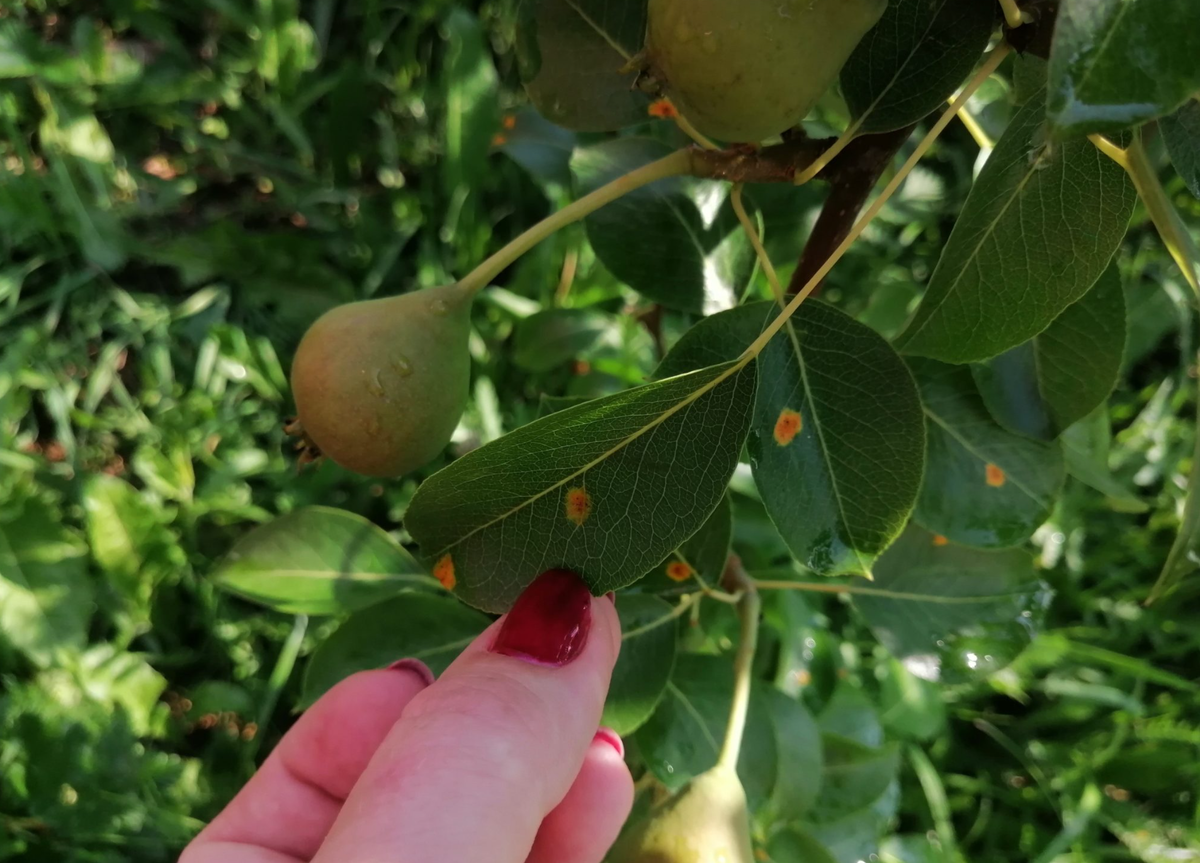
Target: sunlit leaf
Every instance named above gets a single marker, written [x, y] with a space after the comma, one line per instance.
[607, 488]
[319, 560]
[1039, 227]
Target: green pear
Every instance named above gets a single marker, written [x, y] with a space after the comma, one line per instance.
[380, 385]
[744, 70]
[706, 822]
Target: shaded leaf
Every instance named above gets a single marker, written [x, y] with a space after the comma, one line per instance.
[606, 488]
[910, 63]
[705, 552]
[854, 837]
[429, 627]
[1118, 63]
[319, 560]
[798, 743]
[676, 241]
[910, 706]
[850, 714]
[854, 776]
[1086, 450]
[648, 637]
[837, 436]
[794, 845]
[537, 145]
[45, 595]
[1037, 230]
[683, 737]
[571, 53]
[549, 338]
[926, 591]
[472, 113]
[1181, 133]
[1039, 388]
[983, 485]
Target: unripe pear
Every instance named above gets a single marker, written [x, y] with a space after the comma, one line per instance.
[380, 385]
[744, 70]
[706, 822]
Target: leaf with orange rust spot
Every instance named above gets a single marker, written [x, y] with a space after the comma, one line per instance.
[443, 571]
[663, 109]
[838, 439]
[678, 570]
[704, 555]
[984, 485]
[501, 510]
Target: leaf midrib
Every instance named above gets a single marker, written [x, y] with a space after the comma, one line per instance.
[600, 31]
[973, 451]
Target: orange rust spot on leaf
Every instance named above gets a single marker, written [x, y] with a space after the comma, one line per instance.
[677, 570]
[510, 122]
[787, 426]
[802, 677]
[995, 476]
[663, 109]
[578, 505]
[938, 539]
[443, 571]
[499, 140]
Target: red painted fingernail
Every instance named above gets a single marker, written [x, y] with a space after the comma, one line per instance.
[549, 623]
[612, 739]
[416, 666]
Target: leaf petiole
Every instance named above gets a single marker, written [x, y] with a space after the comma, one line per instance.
[748, 610]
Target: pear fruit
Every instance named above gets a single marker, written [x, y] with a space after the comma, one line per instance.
[380, 385]
[706, 822]
[744, 70]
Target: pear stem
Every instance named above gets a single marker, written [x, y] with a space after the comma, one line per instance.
[674, 165]
[748, 611]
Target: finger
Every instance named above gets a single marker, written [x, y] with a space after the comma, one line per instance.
[585, 824]
[479, 759]
[291, 802]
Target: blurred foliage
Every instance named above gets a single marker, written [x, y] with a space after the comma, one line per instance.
[185, 186]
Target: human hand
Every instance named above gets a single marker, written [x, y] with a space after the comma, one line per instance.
[498, 761]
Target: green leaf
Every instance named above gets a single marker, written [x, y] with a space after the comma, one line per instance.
[841, 480]
[45, 594]
[319, 560]
[855, 837]
[571, 53]
[798, 743]
[549, 338]
[1037, 230]
[676, 241]
[910, 706]
[1041, 387]
[1181, 133]
[430, 627]
[128, 540]
[793, 845]
[1086, 450]
[607, 488]
[853, 777]
[705, 552]
[538, 146]
[850, 713]
[648, 637]
[926, 591]
[983, 485]
[683, 737]
[469, 84]
[910, 63]
[1118, 63]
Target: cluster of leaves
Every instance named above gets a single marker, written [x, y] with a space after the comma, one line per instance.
[185, 188]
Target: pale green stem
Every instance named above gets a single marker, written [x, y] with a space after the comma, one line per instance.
[748, 611]
[677, 163]
[1171, 228]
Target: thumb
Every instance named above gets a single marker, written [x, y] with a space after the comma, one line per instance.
[477, 760]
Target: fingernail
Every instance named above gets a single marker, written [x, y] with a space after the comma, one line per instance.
[416, 666]
[612, 739]
[549, 623]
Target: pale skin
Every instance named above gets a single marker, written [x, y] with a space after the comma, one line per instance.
[499, 760]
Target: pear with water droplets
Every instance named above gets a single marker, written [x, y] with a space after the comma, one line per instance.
[706, 822]
[380, 385]
[744, 70]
